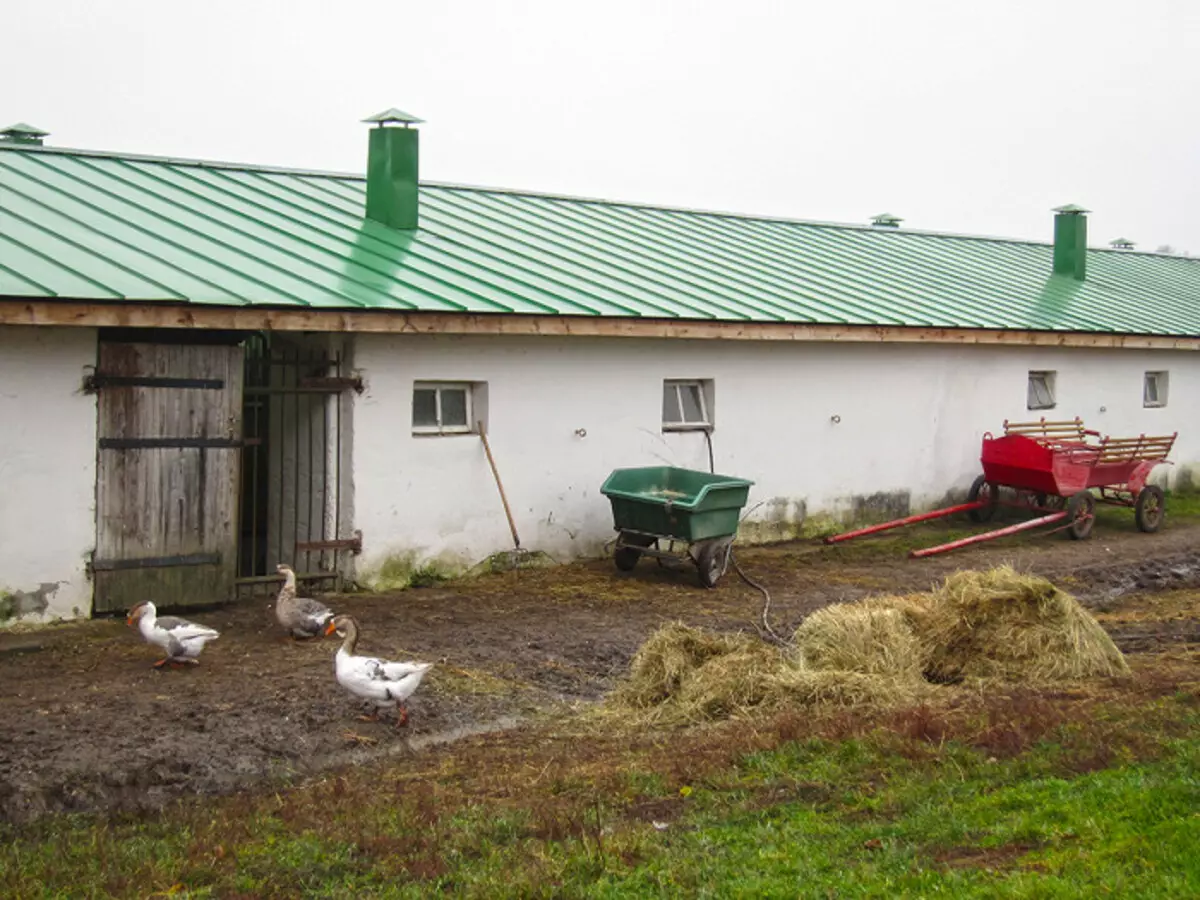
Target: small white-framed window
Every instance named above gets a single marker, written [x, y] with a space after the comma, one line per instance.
[1041, 390]
[443, 407]
[687, 403]
[1154, 389]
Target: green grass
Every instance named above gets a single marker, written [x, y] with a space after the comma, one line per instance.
[1024, 796]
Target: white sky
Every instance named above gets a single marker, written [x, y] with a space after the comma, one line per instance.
[956, 115]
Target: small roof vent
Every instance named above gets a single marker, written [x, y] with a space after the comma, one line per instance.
[886, 220]
[393, 115]
[1121, 244]
[23, 134]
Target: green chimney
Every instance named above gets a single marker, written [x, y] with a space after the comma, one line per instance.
[392, 170]
[1070, 241]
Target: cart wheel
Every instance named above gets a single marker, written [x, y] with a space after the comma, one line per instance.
[982, 489]
[711, 561]
[1148, 512]
[626, 558]
[1081, 510]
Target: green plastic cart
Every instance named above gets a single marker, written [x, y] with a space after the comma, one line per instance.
[656, 507]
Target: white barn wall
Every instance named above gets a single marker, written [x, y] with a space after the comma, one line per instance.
[911, 417]
[47, 473]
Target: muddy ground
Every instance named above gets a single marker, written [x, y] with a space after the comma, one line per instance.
[88, 724]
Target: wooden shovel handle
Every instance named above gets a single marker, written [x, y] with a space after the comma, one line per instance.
[512, 526]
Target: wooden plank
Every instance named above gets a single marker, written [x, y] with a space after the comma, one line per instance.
[156, 562]
[150, 315]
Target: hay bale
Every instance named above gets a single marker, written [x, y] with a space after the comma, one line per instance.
[830, 687]
[668, 657]
[731, 684]
[876, 653]
[1006, 625]
[869, 639]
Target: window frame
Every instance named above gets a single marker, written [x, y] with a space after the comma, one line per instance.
[704, 388]
[1048, 378]
[438, 387]
[1162, 383]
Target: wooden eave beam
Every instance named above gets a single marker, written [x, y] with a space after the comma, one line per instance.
[16, 311]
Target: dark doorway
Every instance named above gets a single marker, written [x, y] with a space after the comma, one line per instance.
[294, 461]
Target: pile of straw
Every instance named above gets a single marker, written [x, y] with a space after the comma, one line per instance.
[884, 651]
[1005, 625]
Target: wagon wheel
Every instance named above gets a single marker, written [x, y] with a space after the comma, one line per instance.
[711, 560]
[1149, 509]
[983, 490]
[1081, 510]
[626, 557]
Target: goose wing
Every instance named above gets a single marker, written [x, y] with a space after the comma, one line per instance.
[394, 671]
[363, 675]
[181, 629]
[313, 611]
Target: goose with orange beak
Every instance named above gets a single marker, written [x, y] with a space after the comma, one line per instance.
[385, 684]
[180, 639]
[301, 617]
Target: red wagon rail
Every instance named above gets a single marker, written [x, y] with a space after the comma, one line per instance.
[1052, 468]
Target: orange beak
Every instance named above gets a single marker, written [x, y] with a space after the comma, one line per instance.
[129, 620]
[330, 628]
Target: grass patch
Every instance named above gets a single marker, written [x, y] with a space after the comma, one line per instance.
[1022, 793]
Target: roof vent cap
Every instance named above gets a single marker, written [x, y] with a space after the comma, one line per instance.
[886, 220]
[393, 115]
[1121, 244]
[23, 134]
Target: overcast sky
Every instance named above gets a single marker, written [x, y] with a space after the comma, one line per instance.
[957, 116]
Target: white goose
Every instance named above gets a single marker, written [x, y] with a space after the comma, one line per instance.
[385, 684]
[303, 617]
[180, 639]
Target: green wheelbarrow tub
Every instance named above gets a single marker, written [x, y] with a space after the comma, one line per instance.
[683, 504]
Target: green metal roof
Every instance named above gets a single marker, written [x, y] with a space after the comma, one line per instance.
[101, 227]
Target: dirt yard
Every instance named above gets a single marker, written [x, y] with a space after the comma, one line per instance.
[88, 724]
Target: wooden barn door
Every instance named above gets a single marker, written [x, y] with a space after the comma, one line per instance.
[170, 437]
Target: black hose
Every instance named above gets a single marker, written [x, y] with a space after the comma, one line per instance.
[767, 631]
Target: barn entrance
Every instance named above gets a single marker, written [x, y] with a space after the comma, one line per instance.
[295, 461]
[220, 455]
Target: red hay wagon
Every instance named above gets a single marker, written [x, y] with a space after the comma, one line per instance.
[1053, 468]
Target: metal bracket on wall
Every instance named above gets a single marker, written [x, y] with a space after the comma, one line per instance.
[354, 545]
[334, 385]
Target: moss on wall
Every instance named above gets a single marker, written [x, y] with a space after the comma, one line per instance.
[409, 569]
[16, 604]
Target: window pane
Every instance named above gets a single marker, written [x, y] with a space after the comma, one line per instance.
[424, 408]
[454, 407]
[1041, 391]
[693, 403]
[1151, 387]
[671, 413]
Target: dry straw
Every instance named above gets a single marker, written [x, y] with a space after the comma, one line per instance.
[1002, 624]
[883, 651]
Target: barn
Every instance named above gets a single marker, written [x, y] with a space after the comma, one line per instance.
[209, 368]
